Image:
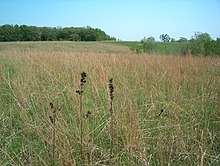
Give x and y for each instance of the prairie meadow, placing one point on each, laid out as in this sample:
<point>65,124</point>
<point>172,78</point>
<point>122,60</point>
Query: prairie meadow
<point>59,107</point>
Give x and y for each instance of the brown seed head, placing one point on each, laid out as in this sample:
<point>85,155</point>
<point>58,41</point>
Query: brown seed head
<point>51,105</point>
<point>51,119</point>
<point>83,75</point>
<point>83,78</point>
<point>111,89</point>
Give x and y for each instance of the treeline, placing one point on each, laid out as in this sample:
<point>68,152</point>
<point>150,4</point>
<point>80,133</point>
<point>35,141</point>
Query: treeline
<point>199,44</point>
<point>34,33</point>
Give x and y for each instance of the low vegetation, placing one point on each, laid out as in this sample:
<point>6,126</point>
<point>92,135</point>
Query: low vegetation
<point>201,44</point>
<point>79,103</point>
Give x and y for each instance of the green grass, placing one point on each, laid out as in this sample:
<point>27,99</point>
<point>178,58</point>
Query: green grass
<point>171,48</point>
<point>124,43</point>
<point>34,74</point>
<point>130,44</point>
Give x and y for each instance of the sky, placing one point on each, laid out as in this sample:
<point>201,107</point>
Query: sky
<point>128,20</point>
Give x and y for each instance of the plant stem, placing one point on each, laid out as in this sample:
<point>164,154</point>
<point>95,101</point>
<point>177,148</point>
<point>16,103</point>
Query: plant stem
<point>111,95</point>
<point>53,136</point>
<point>81,128</point>
<point>112,130</point>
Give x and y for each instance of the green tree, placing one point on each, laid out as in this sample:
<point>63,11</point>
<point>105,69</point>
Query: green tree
<point>63,34</point>
<point>100,35</point>
<point>217,46</point>
<point>2,36</point>
<point>218,41</point>
<point>202,36</point>
<point>48,34</point>
<point>33,33</point>
<point>165,38</point>
<point>30,33</point>
<point>7,33</point>
<point>74,37</point>
<point>172,40</point>
<point>202,44</point>
<point>17,33</point>
<point>182,39</point>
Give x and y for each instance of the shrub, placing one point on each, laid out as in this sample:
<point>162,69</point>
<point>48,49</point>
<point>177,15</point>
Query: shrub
<point>148,45</point>
<point>202,44</point>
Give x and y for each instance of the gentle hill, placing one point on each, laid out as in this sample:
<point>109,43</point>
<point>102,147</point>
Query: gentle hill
<point>67,46</point>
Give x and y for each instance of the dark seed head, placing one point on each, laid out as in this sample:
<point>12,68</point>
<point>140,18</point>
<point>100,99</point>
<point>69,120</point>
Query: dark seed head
<point>83,74</point>
<point>111,80</point>
<point>161,111</point>
<point>111,89</point>
<point>51,105</point>
<point>51,119</point>
<point>83,78</point>
<point>111,97</point>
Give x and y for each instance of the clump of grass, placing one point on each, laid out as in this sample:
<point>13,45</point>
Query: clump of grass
<point>111,95</point>
<point>80,92</point>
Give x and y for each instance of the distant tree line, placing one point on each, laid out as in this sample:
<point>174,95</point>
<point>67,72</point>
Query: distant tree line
<point>34,33</point>
<point>199,44</point>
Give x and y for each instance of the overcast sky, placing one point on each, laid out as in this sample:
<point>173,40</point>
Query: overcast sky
<point>124,19</point>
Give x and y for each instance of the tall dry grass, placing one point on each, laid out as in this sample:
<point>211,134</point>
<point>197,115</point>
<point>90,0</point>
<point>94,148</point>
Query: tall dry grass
<point>186,89</point>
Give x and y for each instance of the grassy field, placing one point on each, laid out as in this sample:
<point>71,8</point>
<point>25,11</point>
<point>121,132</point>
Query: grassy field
<point>171,48</point>
<point>166,109</point>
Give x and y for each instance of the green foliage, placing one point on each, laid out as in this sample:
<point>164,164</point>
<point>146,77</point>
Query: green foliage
<point>202,36</point>
<point>29,33</point>
<point>182,39</point>
<point>33,33</point>
<point>7,33</point>
<point>48,34</point>
<point>180,47</point>
<point>184,48</point>
<point>148,44</point>
<point>218,41</point>
<point>138,48</point>
<point>172,40</point>
<point>168,48</point>
<point>200,44</point>
<point>165,38</point>
<point>203,44</point>
<point>217,46</point>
